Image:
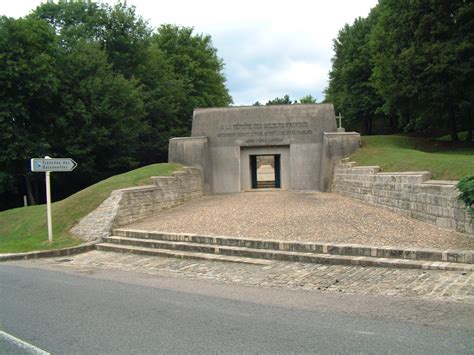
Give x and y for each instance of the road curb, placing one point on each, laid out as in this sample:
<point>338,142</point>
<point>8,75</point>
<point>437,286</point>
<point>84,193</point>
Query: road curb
<point>49,253</point>
<point>230,254</point>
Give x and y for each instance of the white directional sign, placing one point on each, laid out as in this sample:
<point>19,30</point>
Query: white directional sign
<point>48,165</point>
<point>41,165</point>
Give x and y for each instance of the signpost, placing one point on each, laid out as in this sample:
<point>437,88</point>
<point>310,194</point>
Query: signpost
<point>47,165</point>
<point>40,165</point>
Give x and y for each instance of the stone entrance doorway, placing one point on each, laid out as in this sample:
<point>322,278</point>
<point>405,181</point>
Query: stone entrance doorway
<point>265,171</point>
<point>274,164</point>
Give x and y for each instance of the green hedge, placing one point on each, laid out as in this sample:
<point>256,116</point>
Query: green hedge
<point>466,188</point>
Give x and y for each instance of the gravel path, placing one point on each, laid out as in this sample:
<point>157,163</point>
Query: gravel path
<point>307,216</point>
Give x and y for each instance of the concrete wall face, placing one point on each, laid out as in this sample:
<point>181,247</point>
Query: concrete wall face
<point>411,194</point>
<point>304,166</point>
<point>192,151</point>
<point>265,125</point>
<point>128,205</point>
<point>296,132</point>
<point>225,169</point>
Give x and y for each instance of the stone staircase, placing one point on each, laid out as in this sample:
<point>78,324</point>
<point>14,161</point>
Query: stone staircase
<point>263,252</point>
<point>265,184</point>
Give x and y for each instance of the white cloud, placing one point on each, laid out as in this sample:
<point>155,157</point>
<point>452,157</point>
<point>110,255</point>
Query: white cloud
<point>270,48</point>
<point>300,74</point>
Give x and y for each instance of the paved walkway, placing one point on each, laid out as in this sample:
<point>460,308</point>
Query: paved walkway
<point>449,286</point>
<point>306,216</point>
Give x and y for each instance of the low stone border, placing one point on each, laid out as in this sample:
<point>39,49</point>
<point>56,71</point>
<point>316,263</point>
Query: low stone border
<point>49,253</point>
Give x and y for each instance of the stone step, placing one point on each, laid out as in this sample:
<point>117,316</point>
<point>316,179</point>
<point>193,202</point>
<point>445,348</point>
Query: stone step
<point>144,246</point>
<point>265,184</point>
<point>178,254</point>
<point>425,254</point>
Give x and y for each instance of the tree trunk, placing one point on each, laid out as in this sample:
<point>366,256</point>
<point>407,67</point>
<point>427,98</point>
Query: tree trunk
<point>453,125</point>
<point>36,191</point>
<point>368,126</point>
<point>29,191</point>
<point>393,123</point>
<point>470,125</point>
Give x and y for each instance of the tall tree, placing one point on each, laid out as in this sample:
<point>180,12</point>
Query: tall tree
<point>28,72</point>
<point>125,38</point>
<point>101,113</point>
<point>197,66</point>
<point>164,95</point>
<point>117,29</point>
<point>349,87</point>
<point>465,59</point>
<point>422,59</point>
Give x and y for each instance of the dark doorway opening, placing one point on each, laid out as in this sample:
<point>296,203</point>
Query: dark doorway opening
<point>265,170</point>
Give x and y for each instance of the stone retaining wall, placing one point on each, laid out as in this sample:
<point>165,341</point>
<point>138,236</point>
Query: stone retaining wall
<point>132,204</point>
<point>412,194</point>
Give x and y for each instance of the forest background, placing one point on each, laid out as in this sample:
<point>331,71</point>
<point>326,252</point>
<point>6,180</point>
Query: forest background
<point>96,83</point>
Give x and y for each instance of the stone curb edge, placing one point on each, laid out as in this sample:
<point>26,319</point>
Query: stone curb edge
<point>49,253</point>
<point>301,257</point>
<point>354,260</point>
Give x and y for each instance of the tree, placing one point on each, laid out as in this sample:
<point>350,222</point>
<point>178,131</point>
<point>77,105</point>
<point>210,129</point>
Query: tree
<point>423,57</point>
<point>465,65</point>
<point>27,97</point>
<point>125,38</point>
<point>196,65</point>
<point>97,79</point>
<point>103,117</point>
<point>285,100</point>
<point>349,87</point>
<point>74,20</point>
<point>101,114</point>
<point>164,95</point>
<point>117,29</point>
<point>308,99</point>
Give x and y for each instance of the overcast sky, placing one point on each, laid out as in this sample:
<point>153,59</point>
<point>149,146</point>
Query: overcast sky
<point>270,48</point>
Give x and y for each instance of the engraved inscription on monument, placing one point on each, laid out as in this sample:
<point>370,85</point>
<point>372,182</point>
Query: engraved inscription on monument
<point>267,132</point>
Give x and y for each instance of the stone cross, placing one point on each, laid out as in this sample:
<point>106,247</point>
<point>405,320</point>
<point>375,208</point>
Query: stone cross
<point>340,118</point>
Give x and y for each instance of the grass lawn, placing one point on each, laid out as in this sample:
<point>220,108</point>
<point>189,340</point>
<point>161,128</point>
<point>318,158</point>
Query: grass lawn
<point>445,160</point>
<point>25,229</point>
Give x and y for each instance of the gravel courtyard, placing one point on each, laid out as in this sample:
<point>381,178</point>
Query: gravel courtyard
<point>306,216</point>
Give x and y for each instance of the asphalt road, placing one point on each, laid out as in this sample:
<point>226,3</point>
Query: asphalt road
<point>64,313</point>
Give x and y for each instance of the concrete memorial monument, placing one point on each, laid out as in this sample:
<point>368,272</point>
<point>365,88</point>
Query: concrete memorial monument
<point>301,142</point>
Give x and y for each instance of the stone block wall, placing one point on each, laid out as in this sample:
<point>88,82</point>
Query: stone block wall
<point>412,194</point>
<point>125,206</point>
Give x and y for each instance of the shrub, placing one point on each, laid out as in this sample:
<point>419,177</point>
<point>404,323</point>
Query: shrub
<point>466,189</point>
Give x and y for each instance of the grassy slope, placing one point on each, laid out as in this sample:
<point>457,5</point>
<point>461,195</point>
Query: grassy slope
<point>399,153</point>
<point>24,229</point>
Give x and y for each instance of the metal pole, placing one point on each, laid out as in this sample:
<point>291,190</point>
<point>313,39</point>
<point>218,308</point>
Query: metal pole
<point>48,206</point>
